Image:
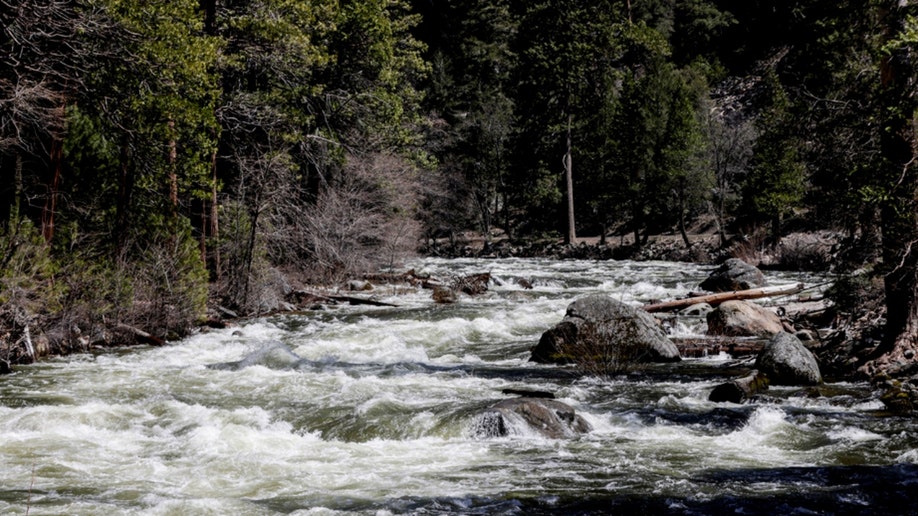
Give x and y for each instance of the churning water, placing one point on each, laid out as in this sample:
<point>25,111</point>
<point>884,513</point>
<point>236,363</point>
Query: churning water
<point>370,410</point>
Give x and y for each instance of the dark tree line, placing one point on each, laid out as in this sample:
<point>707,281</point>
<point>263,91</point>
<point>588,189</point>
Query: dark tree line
<point>155,155</point>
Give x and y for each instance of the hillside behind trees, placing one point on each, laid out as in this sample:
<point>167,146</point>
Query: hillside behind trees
<point>159,155</point>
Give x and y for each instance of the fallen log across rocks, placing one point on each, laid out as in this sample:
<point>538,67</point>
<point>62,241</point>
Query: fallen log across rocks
<point>721,297</point>
<point>698,347</point>
<point>141,335</point>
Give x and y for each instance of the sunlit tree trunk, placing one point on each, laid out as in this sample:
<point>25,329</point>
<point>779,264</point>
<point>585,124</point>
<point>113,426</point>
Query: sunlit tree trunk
<point>171,163</point>
<point>125,191</point>
<point>215,219</point>
<point>47,217</point>
<point>569,180</point>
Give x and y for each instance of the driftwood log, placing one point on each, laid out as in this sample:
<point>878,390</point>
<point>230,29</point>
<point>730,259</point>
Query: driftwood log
<point>695,347</point>
<point>303,297</point>
<point>411,277</point>
<point>720,297</point>
<point>141,335</point>
<point>526,393</point>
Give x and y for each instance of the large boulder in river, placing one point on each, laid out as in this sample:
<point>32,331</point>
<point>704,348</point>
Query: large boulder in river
<point>520,416</point>
<point>599,326</point>
<point>743,319</point>
<point>733,274</point>
<point>786,361</point>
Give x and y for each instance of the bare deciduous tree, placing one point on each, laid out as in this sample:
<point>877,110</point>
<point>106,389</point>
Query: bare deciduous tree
<point>729,150</point>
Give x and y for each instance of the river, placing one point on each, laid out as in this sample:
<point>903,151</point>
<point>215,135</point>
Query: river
<point>370,410</point>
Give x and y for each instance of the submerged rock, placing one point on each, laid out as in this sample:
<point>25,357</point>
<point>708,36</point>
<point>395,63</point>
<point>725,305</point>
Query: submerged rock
<point>740,389</point>
<point>274,355</point>
<point>733,274</point>
<point>550,418</point>
<point>444,295</point>
<point>900,397</point>
<point>601,325</point>
<point>786,361</point>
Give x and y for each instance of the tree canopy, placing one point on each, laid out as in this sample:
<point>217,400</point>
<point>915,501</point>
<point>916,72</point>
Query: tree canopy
<point>219,145</point>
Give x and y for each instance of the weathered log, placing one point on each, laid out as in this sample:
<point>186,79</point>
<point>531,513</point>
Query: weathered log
<point>716,299</point>
<point>526,393</point>
<point>27,340</point>
<point>433,284</point>
<point>740,389</point>
<point>303,297</point>
<point>473,284</point>
<point>226,311</point>
<point>360,301</point>
<point>141,335</point>
<point>710,346</point>
<point>410,277</point>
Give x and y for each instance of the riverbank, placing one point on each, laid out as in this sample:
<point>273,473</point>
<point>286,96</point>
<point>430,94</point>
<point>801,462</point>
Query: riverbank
<point>845,337</point>
<point>808,251</point>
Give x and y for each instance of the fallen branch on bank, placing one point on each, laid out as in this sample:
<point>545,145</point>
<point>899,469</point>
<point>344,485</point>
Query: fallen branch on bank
<point>720,297</point>
<point>141,335</point>
<point>303,297</point>
<point>359,301</point>
<point>411,277</point>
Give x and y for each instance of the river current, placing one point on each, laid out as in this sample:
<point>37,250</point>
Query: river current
<point>371,410</point>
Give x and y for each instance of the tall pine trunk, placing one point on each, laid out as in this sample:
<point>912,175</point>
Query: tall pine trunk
<point>48,212</point>
<point>569,181</point>
<point>125,192</point>
<point>900,218</point>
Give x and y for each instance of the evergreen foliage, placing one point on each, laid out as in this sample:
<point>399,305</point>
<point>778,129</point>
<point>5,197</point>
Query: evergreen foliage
<point>197,148</point>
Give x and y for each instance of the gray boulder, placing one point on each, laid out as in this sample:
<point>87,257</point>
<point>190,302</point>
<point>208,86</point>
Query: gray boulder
<point>733,274</point>
<point>786,361</point>
<point>743,319</point>
<point>600,325</point>
<point>550,418</point>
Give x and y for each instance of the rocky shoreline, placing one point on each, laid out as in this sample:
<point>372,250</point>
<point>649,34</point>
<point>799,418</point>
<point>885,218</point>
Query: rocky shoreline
<point>842,341</point>
<point>843,338</point>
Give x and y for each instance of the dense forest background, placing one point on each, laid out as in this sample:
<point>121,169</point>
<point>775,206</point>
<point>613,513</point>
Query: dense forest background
<point>155,155</point>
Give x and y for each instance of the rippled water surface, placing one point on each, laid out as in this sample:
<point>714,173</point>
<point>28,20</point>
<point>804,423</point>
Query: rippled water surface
<point>369,410</point>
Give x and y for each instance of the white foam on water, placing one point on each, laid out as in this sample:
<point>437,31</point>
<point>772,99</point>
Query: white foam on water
<point>379,408</point>
<point>852,434</point>
<point>909,457</point>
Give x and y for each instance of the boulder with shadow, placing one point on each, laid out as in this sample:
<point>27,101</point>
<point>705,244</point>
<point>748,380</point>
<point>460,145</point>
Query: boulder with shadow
<point>733,274</point>
<point>599,327</point>
<point>786,361</point>
<point>519,416</point>
<point>743,319</point>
